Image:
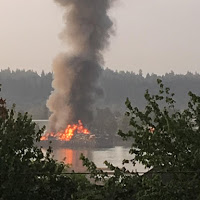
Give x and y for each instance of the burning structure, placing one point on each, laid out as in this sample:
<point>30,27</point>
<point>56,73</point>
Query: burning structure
<point>76,72</point>
<point>68,133</point>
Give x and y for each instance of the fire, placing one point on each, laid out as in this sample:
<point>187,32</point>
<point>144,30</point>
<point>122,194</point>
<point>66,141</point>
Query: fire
<point>68,133</point>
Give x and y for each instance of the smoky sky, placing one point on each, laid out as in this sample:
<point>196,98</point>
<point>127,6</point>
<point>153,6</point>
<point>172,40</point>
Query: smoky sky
<point>155,36</point>
<point>76,72</point>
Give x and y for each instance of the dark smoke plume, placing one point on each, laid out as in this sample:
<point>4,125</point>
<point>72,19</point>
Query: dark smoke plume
<point>76,73</point>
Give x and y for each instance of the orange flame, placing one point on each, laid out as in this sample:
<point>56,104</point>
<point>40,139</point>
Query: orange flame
<point>68,133</point>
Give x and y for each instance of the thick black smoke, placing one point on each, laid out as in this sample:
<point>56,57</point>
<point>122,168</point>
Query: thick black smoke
<point>76,73</point>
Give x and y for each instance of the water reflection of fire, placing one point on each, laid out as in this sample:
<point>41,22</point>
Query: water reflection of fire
<point>72,157</point>
<point>69,156</point>
<point>68,133</point>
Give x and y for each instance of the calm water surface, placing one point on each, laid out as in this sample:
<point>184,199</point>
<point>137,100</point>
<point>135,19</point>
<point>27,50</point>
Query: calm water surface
<point>98,156</point>
<point>113,155</point>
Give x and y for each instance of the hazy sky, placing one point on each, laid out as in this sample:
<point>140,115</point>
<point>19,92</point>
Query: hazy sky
<point>153,35</point>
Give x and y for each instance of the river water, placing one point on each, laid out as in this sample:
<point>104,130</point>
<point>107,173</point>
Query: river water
<point>113,155</point>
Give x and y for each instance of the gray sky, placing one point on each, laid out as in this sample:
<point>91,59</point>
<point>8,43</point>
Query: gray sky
<point>153,35</point>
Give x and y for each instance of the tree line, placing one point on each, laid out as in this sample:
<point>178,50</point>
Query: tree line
<point>30,90</point>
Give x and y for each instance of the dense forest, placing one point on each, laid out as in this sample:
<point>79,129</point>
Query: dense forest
<point>30,90</point>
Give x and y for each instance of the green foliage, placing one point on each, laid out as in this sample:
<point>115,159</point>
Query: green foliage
<point>87,190</point>
<point>25,172</point>
<point>167,141</point>
<point>118,186</point>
